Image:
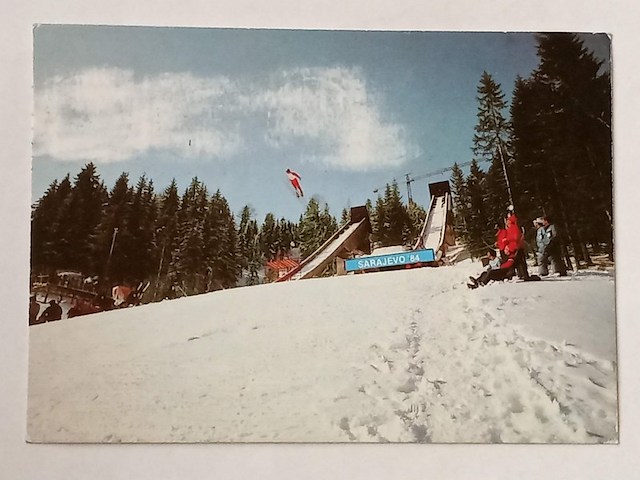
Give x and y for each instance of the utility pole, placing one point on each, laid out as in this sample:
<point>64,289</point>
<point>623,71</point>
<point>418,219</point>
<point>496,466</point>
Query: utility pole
<point>113,242</point>
<point>504,165</point>
<point>409,180</point>
<point>155,290</point>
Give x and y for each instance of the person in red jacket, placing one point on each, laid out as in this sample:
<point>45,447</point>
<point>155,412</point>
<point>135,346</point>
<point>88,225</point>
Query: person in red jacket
<point>294,178</point>
<point>515,244</point>
<point>507,243</point>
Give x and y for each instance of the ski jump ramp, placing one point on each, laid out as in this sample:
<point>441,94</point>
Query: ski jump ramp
<point>353,236</point>
<point>437,231</point>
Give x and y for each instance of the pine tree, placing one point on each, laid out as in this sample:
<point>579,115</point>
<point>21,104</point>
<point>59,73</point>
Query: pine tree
<point>245,241</point>
<point>79,218</point>
<point>329,224</point>
<point>491,141</point>
<point>45,227</point>
<point>286,236</point>
<point>461,203</point>
<point>416,216</point>
<point>370,210</point>
<point>309,228</point>
<point>188,263</point>
<point>378,219</point>
<point>166,238</point>
<point>479,227</point>
<point>344,217</point>
<point>315,227</point>
<point>221,252</point>
<point>43,212</point>
<point>256,258</point>
<point>114,241</point>
<point>396,219</point>
<point>142,226</point>
<point>269,242</point>
<point>249,247</point>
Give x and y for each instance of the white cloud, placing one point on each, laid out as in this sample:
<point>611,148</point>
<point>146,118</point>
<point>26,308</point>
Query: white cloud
<point>334,110</point>
<point>107,115</point>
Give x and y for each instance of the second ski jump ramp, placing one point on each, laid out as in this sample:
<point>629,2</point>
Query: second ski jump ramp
<point>351,236</point>
<point>437,231</point>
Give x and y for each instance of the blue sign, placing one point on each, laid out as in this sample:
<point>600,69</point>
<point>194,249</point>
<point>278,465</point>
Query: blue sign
<point>390,260</point>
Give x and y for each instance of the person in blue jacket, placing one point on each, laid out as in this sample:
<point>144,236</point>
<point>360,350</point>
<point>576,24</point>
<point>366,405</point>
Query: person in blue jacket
<point>549,248</point>
<point>491,271</point>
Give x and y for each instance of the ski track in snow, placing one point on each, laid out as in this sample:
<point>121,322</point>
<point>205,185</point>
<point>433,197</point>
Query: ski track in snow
<point>404,356</point>
<point>489,386</point>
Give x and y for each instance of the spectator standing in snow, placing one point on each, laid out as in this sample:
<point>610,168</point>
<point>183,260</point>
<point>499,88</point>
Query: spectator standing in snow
<point>541,239</point>
<point>34,309</point>
<point>494,264</point>
<point>52,313</point>
<point>551,249</point>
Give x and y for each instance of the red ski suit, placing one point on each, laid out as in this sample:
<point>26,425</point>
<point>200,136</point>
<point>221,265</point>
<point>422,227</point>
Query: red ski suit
<point>294,178</point>
<point>510,240</point>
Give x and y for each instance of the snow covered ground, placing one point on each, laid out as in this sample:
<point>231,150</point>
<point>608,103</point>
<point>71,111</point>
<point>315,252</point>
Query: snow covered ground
<point>401,356</point>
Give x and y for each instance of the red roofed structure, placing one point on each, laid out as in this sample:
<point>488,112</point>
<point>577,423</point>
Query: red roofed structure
<point>279,268</point>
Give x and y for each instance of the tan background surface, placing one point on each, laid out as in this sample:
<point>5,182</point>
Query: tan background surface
<point>21,461</point>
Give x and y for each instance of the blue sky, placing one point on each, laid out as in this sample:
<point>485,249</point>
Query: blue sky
<point>350,111</point>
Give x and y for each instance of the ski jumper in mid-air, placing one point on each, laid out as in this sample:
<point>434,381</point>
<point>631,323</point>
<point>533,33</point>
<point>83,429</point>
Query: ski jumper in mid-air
<point>294,178</point>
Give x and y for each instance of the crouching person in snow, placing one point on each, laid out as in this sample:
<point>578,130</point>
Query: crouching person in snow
<point>52,313</point>
<point>494,264</point>
<point>506,271</point>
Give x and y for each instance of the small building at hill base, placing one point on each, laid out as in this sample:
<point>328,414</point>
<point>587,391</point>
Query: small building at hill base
<point>278,268</point>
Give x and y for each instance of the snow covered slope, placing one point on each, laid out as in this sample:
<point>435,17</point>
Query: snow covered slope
<point>401,356</point>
